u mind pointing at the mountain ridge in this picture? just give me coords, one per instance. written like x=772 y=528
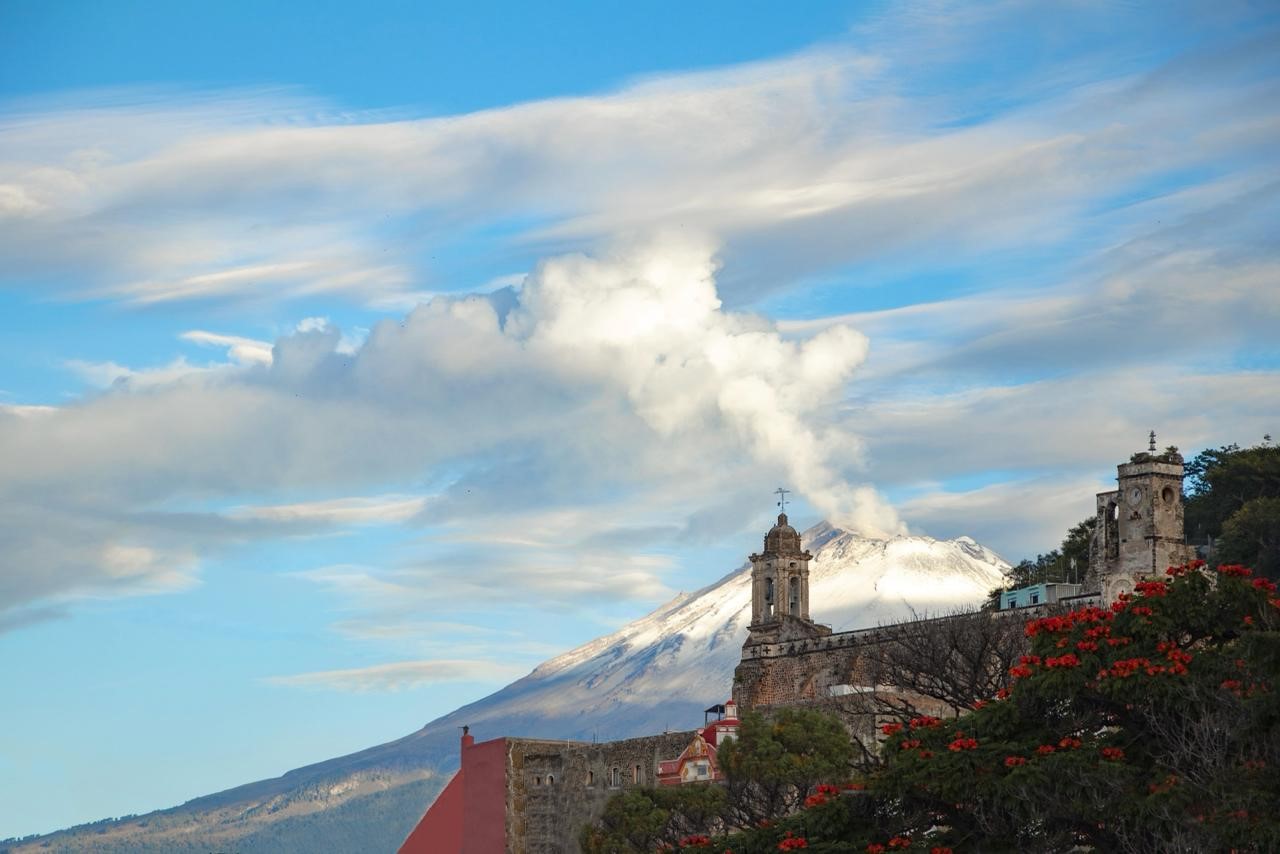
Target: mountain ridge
x=656 y=672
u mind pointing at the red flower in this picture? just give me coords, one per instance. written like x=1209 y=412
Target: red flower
x=1014 y=761
x=924 y=721
x=1265 y=584
x=875 y=848
x=815 y=800
x=1069 y=743
x=926 y=754
x=790 y=843
x=939 y=849
x=910 y=744
x=1113 y=754
x=696 y=841
x=1152 y=589
x=1235 y=569
x=962 y=744
x=890 y=729
x=900 y=842
x=827 y=789
x=1045 y=749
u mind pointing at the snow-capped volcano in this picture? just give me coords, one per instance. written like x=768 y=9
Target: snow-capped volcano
x=658 y=672
x=685 y=651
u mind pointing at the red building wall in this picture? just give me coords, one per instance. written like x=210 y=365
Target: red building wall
x=470 y=815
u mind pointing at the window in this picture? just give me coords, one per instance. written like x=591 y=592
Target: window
x=591 y=778
x=537 y=781
x=1013 y=601
x=1035 y=598
x=635 y=774
x=551 y=780
x=794 y=604
x=615 y=779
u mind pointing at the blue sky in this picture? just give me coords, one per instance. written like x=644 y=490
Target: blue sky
x=355 y=359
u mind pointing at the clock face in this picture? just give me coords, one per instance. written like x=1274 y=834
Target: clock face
x=1135 y=495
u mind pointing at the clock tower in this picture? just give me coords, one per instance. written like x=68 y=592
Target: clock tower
x=1139 y=532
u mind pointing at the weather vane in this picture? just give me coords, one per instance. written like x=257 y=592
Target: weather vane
x=782 y=498
x=1153 y=441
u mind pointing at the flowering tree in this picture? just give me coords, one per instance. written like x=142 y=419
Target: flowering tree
x=1150 y=726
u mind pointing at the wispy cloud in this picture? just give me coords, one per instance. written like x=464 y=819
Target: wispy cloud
x=355 y=510
x=402 y=675
x=242 y=350
x=1151 y=187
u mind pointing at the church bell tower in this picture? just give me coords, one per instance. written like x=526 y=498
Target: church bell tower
x=780 y=588
x=1139 y=530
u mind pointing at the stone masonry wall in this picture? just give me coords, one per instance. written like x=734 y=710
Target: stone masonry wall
x=556 y=787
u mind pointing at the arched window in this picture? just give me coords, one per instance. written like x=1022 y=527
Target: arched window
x=551 y=781
x=768 y=597
x=635 y=774
x=591 y=778
x=793 y=600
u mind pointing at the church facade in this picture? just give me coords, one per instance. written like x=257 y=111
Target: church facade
x=523 y=796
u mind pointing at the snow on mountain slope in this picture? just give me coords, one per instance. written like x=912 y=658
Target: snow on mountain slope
x=687 y=649
x=657 y=672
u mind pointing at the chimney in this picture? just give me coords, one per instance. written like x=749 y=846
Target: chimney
x=467 y=740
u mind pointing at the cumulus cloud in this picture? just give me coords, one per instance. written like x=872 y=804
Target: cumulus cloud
x=624 y=373
x=598 y=384
x=402 y=675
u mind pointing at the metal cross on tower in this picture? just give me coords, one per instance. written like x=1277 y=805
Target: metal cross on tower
x=782 y=498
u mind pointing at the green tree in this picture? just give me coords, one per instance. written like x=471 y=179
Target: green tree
x=1225 y=482
x=1069 y=562
x=644 y=820
x=776 y=762
x=1251 y=535
x=773 y=765
x=1152 y=727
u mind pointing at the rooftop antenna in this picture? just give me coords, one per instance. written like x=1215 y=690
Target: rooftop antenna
x=1152 y=447
x=782 y=498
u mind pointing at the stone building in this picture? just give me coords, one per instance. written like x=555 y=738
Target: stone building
x=780 y=589
x=1139 y=530
x=528 y=796
x=533 y=796
x=790 y=660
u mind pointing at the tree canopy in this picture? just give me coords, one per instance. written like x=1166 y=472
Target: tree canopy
x=1150 y=726
x=1233 y=496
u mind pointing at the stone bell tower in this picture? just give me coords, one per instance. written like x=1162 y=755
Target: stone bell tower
x=1139 y=531
x=780 y=588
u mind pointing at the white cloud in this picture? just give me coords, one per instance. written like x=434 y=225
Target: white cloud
x=618 y=374
x=401 y=675
x=797 y=165
x=356 y=510
x=244 y=351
